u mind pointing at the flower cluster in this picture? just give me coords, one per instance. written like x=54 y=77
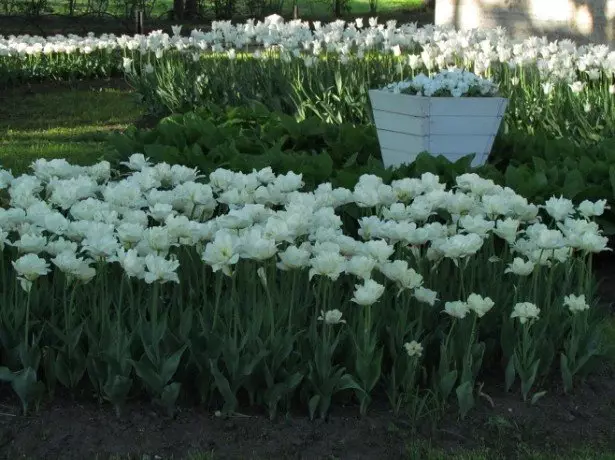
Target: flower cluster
x=75 y=216
x=452 y=82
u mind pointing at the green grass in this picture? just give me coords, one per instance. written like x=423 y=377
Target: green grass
x=66 y=123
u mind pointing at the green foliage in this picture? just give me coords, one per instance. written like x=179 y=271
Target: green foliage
x=330 y=88
x=18 y=70
x=538 y=167
x=252 y=137
x=335 y=89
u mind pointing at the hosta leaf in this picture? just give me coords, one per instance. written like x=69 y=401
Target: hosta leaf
x=574 y=184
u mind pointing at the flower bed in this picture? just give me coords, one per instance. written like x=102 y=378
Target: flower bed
x=326 y=69
x=245 y=290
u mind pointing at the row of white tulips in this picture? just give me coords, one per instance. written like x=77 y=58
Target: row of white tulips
x=428 y=47
x=77 y=215
x=451 y=267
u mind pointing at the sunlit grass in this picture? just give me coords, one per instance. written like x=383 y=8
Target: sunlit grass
x=67 y=123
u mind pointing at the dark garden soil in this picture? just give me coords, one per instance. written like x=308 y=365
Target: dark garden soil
x=501 y=422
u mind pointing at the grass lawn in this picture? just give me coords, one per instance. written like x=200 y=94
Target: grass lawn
x=61 y=123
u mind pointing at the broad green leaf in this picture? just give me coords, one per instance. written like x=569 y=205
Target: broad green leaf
x=465 y=397
x=222 y=385
x=566 y=374
x=169 y=367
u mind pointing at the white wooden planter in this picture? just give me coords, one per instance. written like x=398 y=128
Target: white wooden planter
x=454 y=127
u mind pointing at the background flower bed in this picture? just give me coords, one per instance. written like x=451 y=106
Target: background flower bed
x=560 y=110
x=337 y=63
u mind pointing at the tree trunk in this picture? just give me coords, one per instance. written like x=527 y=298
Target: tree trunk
x=337 y=8
x=192 y=9
x=178 y=10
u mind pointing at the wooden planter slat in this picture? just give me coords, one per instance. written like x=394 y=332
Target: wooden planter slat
x=454 y=127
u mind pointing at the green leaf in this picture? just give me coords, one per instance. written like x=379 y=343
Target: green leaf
x=146 y=372
x=612 y=180
x=313 y=405
x=537 y=396
x=351 y=161
x=510 y=374
x=465 y=398
x=566 y=374
x=528 y=380
x=6 y=375
x=478 y=352
x=347 y=382
x=446 y=384
x=62 y=370
x=539 y=164
x=574 y=184
x=222 y=385
x=169 y=367
x=28 y=388
x=116 y=389
x=169 y=396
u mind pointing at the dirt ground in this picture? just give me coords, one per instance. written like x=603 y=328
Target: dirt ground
x=72 y=430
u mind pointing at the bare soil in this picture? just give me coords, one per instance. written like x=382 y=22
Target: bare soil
x=72 y=430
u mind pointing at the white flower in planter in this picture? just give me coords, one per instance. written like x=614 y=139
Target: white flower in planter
x=452 y=82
